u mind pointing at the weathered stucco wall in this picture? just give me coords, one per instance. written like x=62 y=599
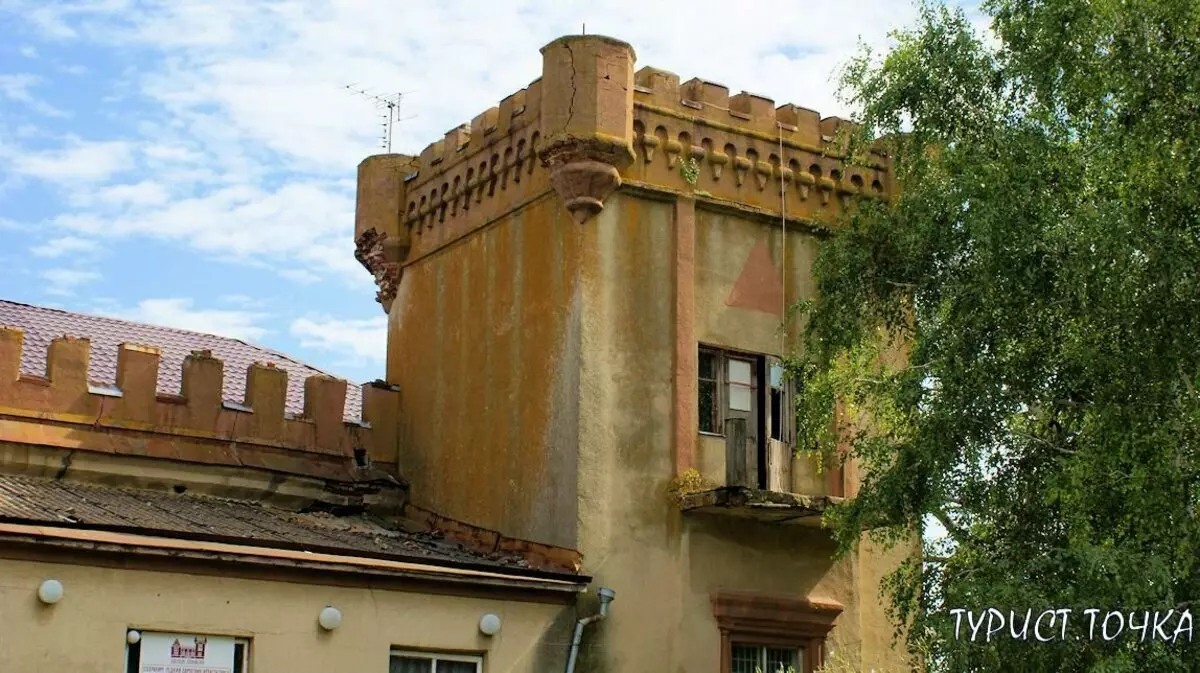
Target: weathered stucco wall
x=484 y=344
x=85 y=631
x=740 y=266
x=664 y=565
x=629 y=537
x=748 y=272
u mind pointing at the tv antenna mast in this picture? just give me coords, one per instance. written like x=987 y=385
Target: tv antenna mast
x=391 y=112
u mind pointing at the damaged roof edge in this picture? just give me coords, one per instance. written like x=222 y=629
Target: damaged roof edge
x=186 y=538
x=93 y=539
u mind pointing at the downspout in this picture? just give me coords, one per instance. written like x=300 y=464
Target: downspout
x=606 y=597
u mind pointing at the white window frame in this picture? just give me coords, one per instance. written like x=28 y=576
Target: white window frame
x=436 y=656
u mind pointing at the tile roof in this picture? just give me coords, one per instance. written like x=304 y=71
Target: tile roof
x=42 y=325
x=63 y=503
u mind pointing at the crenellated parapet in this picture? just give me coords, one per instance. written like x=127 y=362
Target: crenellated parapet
x=694 y=136
x=130 y=416
x=410 y=206
x=589 y=125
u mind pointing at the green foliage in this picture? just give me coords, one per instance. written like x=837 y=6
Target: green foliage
x=689 y=169
x=1041 y=269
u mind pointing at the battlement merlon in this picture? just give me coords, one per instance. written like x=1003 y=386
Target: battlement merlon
x=131 y=416
x=590 y=124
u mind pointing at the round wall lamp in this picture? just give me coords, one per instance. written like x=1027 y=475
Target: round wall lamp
x=330 y=618
x=489 y=624
x=133 y=637
x=50 y=592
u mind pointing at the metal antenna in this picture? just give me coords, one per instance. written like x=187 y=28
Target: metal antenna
x=391 y=114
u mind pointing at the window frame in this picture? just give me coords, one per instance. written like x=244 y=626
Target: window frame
x=718 y=381
x=774 y=621
x=753 y=386
x=723 y=355
x=762 y=651
x=433 y=656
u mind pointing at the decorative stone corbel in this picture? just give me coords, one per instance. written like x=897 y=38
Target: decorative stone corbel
x=804 y=182
x=827 y=186
x=762 y=172
x=673 y=150
x=586 y=171
x=740 y=166
x=718 y=161
x=649 y=143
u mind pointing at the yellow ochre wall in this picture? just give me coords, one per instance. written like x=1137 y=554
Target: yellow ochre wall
x=483 y=341
x=725 y=246
x=537 y=389
x=546 y=359
x=664 y=565
x=724 y=243
x=85 y=631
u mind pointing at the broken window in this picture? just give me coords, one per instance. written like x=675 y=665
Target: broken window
x=755 y=390
x=727 y=388
x=782 y=410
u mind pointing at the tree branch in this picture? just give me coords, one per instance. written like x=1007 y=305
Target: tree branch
x=957 y=532
x=1048 y=444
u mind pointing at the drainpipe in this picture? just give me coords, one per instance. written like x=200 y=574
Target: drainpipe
x=606 y=597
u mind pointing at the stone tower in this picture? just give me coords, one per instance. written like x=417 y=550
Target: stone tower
x=586 y=289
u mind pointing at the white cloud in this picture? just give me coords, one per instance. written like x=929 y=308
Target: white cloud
x=181 y=314
x=17 y=87
x=299 y=224
x=358 y=341
x=302 y=276
x=144 y=193
x=64 y=282
x=79 y=160
x=65 y=245
x=28 y=51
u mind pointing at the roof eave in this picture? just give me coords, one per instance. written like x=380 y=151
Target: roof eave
x=90 y=539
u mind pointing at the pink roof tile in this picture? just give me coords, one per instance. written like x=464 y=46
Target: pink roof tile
x=42 y=325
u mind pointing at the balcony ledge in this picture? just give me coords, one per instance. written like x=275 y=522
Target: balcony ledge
x=766 y=506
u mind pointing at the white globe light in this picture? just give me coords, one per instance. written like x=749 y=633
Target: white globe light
x=489 y=624
x=50 y=592
x=330 y=618
x=133 y=637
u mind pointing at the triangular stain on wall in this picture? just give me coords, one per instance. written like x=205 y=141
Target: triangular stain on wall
x=759 y=287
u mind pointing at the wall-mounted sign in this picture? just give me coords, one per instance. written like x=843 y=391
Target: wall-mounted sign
x=185 y=653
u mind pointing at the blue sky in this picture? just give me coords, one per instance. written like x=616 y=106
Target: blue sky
x=192 y=163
